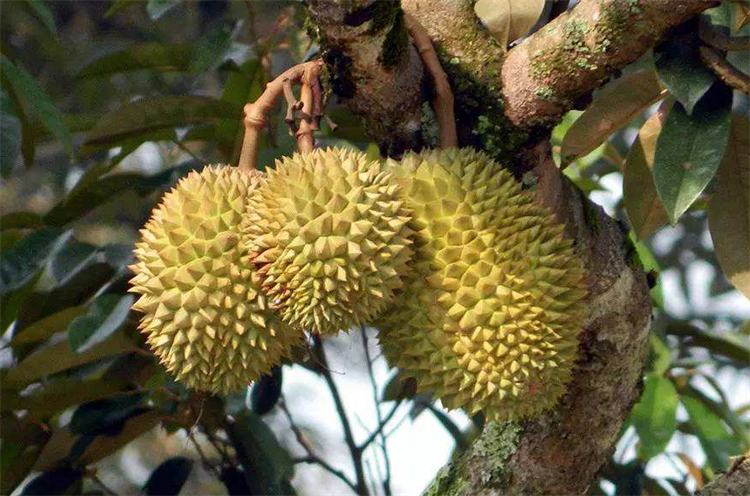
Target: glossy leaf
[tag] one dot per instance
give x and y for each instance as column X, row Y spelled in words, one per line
column 399, row 388
column 36, row 101
column 645, row 211
column 21, row 263
column 169, row 477
column 105, row 316
column 55, row 481
column 682, row 72
column 729, row 213
column 46, row 327
column 154, row 56
column 241, row 87
column 105, row 416
column 266, row 392
column 21, row 220
column 157, row 8
column 689, row 150
column 44, row 14
column 654, row 417
column 70, row 260
column 715, row 440
column 211, row 49
column 10, row 135
column 158, row 113
column 610, row 111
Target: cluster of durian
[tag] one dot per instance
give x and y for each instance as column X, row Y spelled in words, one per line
column 477, row 293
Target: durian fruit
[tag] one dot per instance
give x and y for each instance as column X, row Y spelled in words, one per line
column 328, row 233
column 489, row 320
column 204, row 314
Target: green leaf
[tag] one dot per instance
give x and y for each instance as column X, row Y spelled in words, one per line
column 715, row 440
column 155, row 56
column 645, row 211
column 158, row 113
column 729, row 211
column 70, row 260
column 399, row 388
column 266, row 392
column 211, row 49
column 241, row 87
column 46, row 327
column 105, row 316
column 689, row 150
column 37, row 102
column 21, row 263
column 611, row 110
column 265, row 462
column 731, row 345
column 682, row 72
column 157, row 8
column 106, row 416
column 654, row 417
column 10, row 135
column 661, row 355
column 44, row 14
column 55, row 481
column 21, row 220
column 169, row 477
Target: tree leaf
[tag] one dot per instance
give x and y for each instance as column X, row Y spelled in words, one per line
column 21, row 220
column 70, row 260
column 610, row 111
column 55, row 481
column 729, row 211
column 21, row 263
column 715, row 440
column 689, row 150
column 105, row 316
column 155, row 56
column 157, row 8
column 731, row 345
column 37, row 102
column 44, row 14
column 169, row 477
column 99, row 417
column 10, row 135
column 645, row 211
column 654, row 417
column 46, row 327
column 265, row 462
column 266, row 392
column 682, row 72
column 241, row 87
column 157, row 113
column 212, row 48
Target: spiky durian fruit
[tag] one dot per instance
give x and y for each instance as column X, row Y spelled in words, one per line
column 328, row 233
column 489, row 320
column 204, row 314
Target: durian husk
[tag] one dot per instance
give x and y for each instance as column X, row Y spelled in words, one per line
column 328, row 233
column 204, row 314
column 489, row 320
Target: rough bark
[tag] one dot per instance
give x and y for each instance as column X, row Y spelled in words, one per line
column 735, row 482
column 506, row 104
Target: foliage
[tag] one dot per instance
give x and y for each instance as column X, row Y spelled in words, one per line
column 94, row 127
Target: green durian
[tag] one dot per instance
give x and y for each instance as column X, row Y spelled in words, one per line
column 489, row 320
column 328, row 233
column 204, row 314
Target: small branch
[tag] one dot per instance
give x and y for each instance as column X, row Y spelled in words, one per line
column 354, row 451
column 712, row 36
column 380, row 428
column 328, row 468
column 107, row 490
column 724, row 70
column 256, row 114
column 443, row 103
column 206, row 463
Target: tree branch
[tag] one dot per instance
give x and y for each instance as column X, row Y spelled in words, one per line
column 735, row 481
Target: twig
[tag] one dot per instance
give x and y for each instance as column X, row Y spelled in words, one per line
column 311, row 456
column 724, row 70
column 371, row 374
column 256, row 113
column 380, row 428
column 95, row 477
column 206, row 463
column 354, row 451
column 443, row 103
column 712, row 36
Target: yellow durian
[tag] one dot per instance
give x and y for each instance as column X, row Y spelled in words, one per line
column 203, row 311
column 328, row 233
column 489, row 319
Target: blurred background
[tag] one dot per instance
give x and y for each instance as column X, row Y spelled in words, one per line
column 106, row 103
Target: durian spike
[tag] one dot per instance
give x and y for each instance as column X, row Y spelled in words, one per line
column 443, row 102
column 256, row 113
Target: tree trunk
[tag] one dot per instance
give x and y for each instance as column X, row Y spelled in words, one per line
column 506, row 104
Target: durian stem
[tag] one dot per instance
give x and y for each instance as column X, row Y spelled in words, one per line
column 311, row 97
column 256, row 113
column 443, row 103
